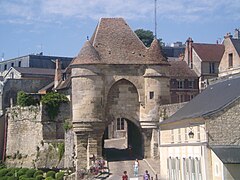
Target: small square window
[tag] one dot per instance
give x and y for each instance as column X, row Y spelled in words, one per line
column 151, row 95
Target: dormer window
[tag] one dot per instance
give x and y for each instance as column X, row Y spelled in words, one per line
column 211, row 68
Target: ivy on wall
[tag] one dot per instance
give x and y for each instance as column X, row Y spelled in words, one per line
column 52, row 101
column 24, row 99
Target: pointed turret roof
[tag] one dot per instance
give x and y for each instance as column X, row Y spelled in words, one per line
column 113, row 42
column 87, row 55
column 155, row 52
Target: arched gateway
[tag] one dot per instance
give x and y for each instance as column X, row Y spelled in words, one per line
column 113, row 77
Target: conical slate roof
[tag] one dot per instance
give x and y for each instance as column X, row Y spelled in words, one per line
column 113, row 42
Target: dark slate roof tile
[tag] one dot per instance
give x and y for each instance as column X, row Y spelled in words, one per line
column 213, row 99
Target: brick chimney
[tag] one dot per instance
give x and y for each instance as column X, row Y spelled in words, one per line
column 58, row 73
column 189, row 43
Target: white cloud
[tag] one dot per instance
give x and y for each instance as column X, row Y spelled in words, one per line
column 30, row 11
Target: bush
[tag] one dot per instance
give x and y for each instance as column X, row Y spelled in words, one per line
column 39, row 177
column 23, row 177
column 51, row 174
column 3, row 172
column 60, row 175
column 12, row 178
column 30, row 172
column 52, row 101
column 38, row 172
column 49, row 178
column 4, row 178
column 24, row 99
column 22, row 171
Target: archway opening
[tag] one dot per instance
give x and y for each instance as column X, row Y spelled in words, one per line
column 122, row 140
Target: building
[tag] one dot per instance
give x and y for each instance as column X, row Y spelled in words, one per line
column 204, row 59
column 175, row 50
column 183, row 82
column 201, row 140
column 230, row 62
column 33, row 61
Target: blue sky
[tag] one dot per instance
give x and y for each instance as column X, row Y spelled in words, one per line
column 60, row 27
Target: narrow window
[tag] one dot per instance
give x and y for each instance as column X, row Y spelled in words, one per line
column 230, row 60
column 151, row 95
column 179, row 135
column 19, row 63
column 172, row 136
column 120, row 123
column 12, row 64
column 191, row 84
column 5, row 66
column 186, row 134
column 211, row 68
column 180, row 84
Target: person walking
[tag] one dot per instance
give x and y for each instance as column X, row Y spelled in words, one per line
column 136, row 167
column 146, row 175
column 125, row 176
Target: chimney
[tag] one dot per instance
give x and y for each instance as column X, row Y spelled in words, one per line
column 189, row 43
column 237, row 34
column 58, row 73
column 228, row 35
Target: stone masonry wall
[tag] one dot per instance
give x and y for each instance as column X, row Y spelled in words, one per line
column 32, row 140
column 224, row 128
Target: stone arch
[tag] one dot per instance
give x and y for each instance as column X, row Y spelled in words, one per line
column 123, row 101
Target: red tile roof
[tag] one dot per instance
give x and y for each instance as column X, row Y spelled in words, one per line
column 180, row 69
column 209, row 52
column 113, row 42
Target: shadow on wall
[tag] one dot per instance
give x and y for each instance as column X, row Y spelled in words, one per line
column 1, row 136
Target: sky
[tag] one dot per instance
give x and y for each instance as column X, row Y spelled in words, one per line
column 60, row 27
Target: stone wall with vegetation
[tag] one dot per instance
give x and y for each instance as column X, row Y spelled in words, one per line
column 33, row 140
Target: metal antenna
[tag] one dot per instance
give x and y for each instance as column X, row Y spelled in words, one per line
column 155, row 17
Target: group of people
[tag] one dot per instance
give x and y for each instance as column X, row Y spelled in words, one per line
column 146, row 175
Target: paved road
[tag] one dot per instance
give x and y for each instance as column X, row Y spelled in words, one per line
column 117, row 168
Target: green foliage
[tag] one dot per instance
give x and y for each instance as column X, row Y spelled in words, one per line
column 3, row 172
column 38, row 172
column 4, row 178
column 61, row 150
column 60, row 175
column 51, row 174
column 2, row 166
column 24, row 99
column 146, row 36
column 52, row 101
column 67, row 126
column 12, row 178
column 23, row 177
column 49, row 178
column 39, row 177
column 22, row 171
column 30, row 172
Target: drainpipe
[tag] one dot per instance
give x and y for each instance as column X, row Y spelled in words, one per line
column 5, row 138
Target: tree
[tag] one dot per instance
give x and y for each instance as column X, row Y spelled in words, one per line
column 146, row 36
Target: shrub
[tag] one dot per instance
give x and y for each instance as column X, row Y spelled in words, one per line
column 23, row 177
column 39, row 177
column 12, row 178
column 52, row 101
column 51, row 174
column 49, row 178
column 3, row 172
column 22, row 171
column 24, row 99
column 10, row 173
column 60, row 175
column 30, row 172
column 4, row 178
column 38, row 172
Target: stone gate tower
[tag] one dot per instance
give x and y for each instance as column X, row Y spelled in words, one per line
column 115, row 75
